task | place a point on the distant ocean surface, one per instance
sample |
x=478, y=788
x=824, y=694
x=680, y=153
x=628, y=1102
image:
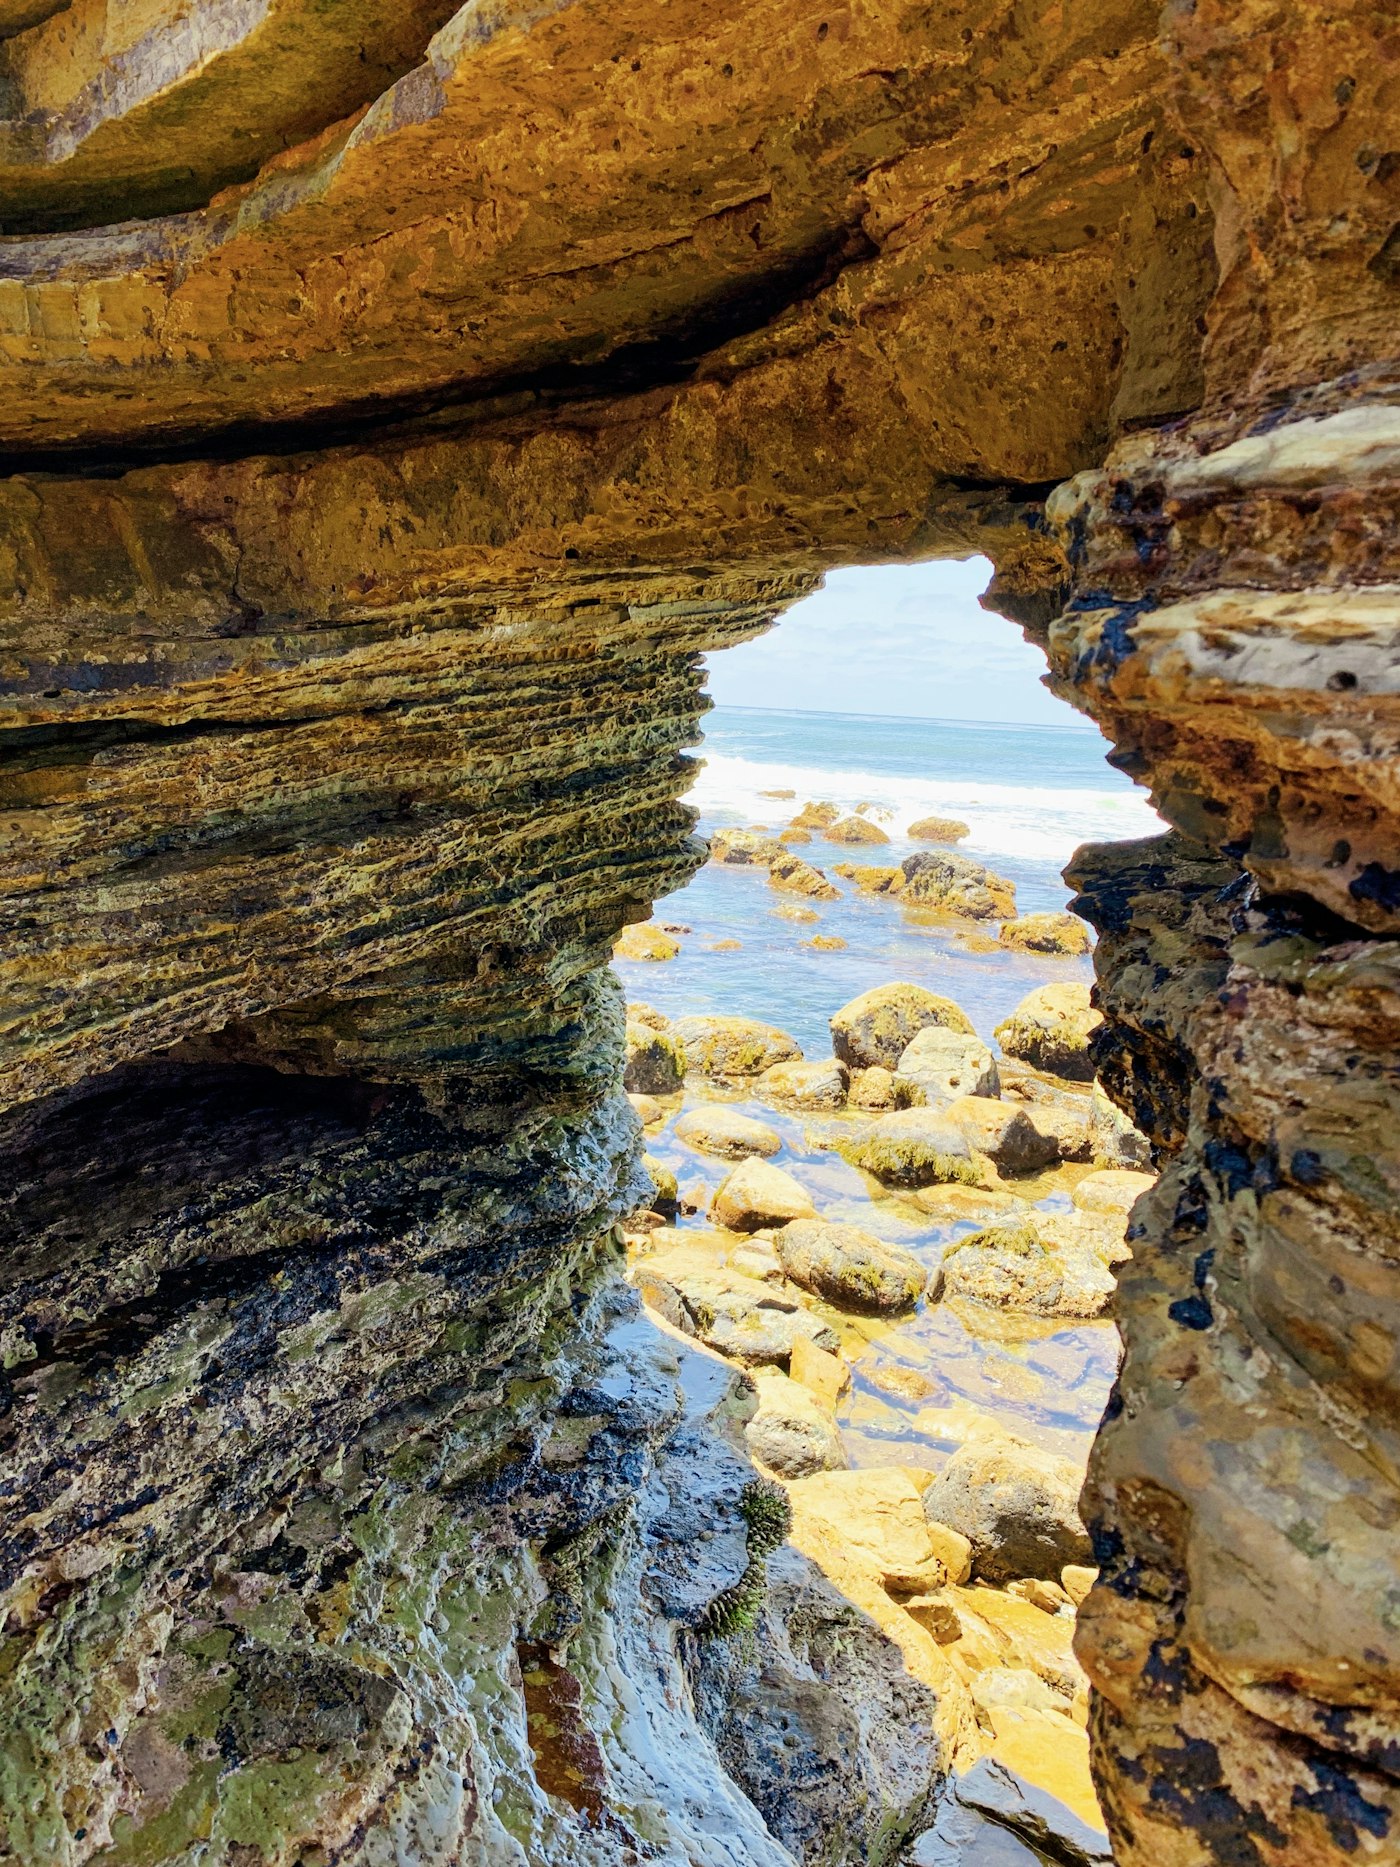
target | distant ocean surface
x=1030, y=796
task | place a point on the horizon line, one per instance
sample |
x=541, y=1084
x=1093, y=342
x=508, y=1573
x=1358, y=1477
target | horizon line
x=1075, y=721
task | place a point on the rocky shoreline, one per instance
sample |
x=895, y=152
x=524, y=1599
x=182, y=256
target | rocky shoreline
x=814, y=1216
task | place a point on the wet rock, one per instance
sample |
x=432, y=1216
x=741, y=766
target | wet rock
x=1112, y=1190
x=794, y=839
x=1045, y=933
x=720, y=1046
x=1029, y=1266
x=875, y=1029
x=815, y=817
x=937, y=830
x=756, y=1195
x=912, y=1147
x=826, y=1375
x=726, y=1133
x=826, y=943
x=790, y=911
x=757, y=1258
x=739, y=1317
x=665, y=1191
x=956, y=885
x=1114, y=1142
x=655, y=1063
x=819, y=1085
x=792, y=1432
x=1050, y=1029
x=851, y=1268
x=638, y=1012
x=940, y=1065
x=874, y=1088
x=1017, y=1506
x=645, y=942
x=725, y=946
x=855, y=830
x=878, y=1514
x=1005, y=1133
x=648, y=1110
x=979, y=1204
x=744, y=848
x=796, y=877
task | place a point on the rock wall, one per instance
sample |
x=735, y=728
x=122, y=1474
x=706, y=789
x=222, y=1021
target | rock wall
x=361, y=531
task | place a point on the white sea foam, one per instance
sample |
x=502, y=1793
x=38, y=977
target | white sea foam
x=1037, y=823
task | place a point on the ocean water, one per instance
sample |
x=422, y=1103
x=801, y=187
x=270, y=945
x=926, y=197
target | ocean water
x=1030, y=796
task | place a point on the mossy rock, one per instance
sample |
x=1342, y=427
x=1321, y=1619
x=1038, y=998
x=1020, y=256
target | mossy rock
x=876, y=1029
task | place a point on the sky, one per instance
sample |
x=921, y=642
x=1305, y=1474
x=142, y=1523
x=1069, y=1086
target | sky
x=903, y=639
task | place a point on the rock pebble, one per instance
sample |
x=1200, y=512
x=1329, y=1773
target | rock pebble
x=1112, y=1190
x=850, y=1268
x=1030, y=1266
x=1005, y=1133
x=739, y=1317
x=726, y=1133
x=819, y=1085
x=937, y=830
x=744, y=848
x=791, y=1431
x=655, y=1063
x=756, y=1195
x=855, y=830
x=875, y=1029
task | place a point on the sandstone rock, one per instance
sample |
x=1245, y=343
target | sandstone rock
x=1062, y=1110
x=855, y=830
x=1050, y=1029
x=912, y=1147
x=827, y=1376
x=826, y=943
x=655, y=1061
x=790, y=911
x=869, y=878
x=781, y=795
x=1005, y=1133
x=648, y=1110
x=879, y=1514
x=1045, y=933
x=720, y=1046
x=816, y=817
x=645, y=942
x=1112, y=1190
x=665, y=1190
x=756, y=1195
x=725, y=946
x=796, y=877
x=640, y=1013
x=756, y=1258
x=744, y=848
x=739, y=1317
x=979, y=1204
x=794, y=839
x=1114, y=1142
x=939, y=1065
x=1017, y=1506
x=874, y=1088
x=937, y=830
x=1076, y=1579
x=1019, y=1267
x=956, y=885
x=1049, y=1825
x=851, y=1268
x=819, y=1085
x=792, y=1432
x=878, y=1027
x=726, y=1133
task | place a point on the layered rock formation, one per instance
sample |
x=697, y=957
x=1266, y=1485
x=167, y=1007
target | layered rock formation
x=362, y=527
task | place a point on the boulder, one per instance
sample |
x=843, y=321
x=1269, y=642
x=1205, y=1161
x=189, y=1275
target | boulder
x=744, y=848
x=878, y=1027
x=1005, y=1133
x=1058, y=1109
x=1017, y=1506
x=1114, y=1142
x=665, y=1190
x=953, y=884
x=756, y=1258
x=1045, y=933
x=826, y=943
x=849, y=1267
x=791, y=1431
x=756, y=1195
x=719, y=1046
x=647, y=1109
x=874, y=1088
x=878, y=1514
x=938, y=1066
x=826, y=1375
x=1113, y=1190
x=820, y=1085
x=1077, y=1579
x=815, y=817
x=1025, y=1266
x=640, y=1013
x=796, y=877
x=869, y=879
x=855, y=830
x=912, y=1147
x=655, y=1061
x=737, y=1316
x=937, y=830
x=1050, y=1029
x=646, y=941
x=977, y=1204
x=794, y=839
x=726, y=1133
x=1016, y=1806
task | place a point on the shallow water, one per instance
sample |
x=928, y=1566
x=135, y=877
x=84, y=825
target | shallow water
x=1029, y=795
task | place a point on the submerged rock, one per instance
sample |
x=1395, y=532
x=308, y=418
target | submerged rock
x=1050, y=1029
x=1017, y=1506
x=645, y=942
x=869, y=879
x=720, y=1046
x=940, y=1065
x=726, y=1133
x=826, y=943
x=849, y=1267
x=818, y=1085
x=937, y=830
x=1045, y=933
x=912, y=1147
x=792, y=1432
x=876, y=1028
x=756, y=1195
x=796, y=877
x=855, y=830
x=956, y=885
x=655, y=1063
x=638, y=1012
